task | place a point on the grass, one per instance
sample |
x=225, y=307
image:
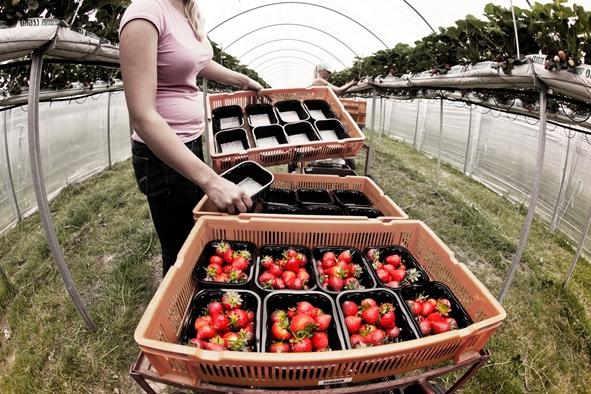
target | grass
x=108, y=239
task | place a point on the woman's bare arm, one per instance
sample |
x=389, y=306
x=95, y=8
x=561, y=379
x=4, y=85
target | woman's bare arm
x=216, y=72
x=138, y=48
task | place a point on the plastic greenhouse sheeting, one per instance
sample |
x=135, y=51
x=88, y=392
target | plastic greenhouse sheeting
x=502, y=155
x=73, y=137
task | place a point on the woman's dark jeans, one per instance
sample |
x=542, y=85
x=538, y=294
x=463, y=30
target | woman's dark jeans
x=171, y=198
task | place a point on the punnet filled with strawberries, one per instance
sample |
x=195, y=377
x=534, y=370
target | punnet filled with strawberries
x=282, y=267
x=225, y=264
x=296, y=322
x=223, y=320
x=394, y=266
x=373, y=318
x=434, y=308
x=341, y=268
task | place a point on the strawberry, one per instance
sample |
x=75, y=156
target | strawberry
x=442, y=308
x=355, y=340
x=303, y=275
x=453, y=324
x=301, y=345
x=435, y=317
x=394, y=260
x=201, y=322
x=301, y=322
x=393, y=333
x=345, y=256
x=372, y=254
x=389, y=267
x=425, y=327
x=367, y=302
x=213, y=270
x=427, y=308
x=383, y=275
x=292, y=264
x=279, y=331
x=238, y=318
x=275, y=270
x=206, y=332
x=234, y=341
x=320, y=341
x=220, y=322
x=294, y=284
x=335, y=283
x=279, y=284
x=445, y=302
x=291, y=312
x=302, y=258
x=323, y=321
x=439, y=327
x=221, y=247
x=196, y=343
x=402, y=267
x=267, y=280
x=278, y=316
x=240, y=263
x=387, y=320
x=376, y=337
x=249, y=330
x=236, y=276
x=329, y=257
x=398, y=275
x=266, y=261
x=290, y=253
x=215, y=308
x=228, y=256
x=365, y=332
x=279, y=347
x=217, y=260
x=349, y=308
x=353, y=324
x=305, y=308
x=371, y=314
x=415, y=307
x=231, y=300
x=287, y=276
x=214, y=347
x=393, y=284
x=351, y=284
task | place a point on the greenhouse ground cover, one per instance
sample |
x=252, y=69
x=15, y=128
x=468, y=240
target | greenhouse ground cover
x=104, y=227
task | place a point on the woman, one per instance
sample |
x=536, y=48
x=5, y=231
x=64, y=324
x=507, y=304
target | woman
x=162, y=51
x=322, y=73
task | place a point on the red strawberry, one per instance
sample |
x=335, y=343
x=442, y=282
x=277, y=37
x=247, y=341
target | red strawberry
x=393, y=284
x=320, y=341
x=355, y=340
x=445, y=302
x=435, y=316
x=238, y=318
x=220, y=322
x=275, y=270
x=303, y=275
x=345, y=256
x=367, y=302
x=213, y=270
x=279, y=331
x=287, y=276
x=216, y=260
x=329, y=258
x=289, y=253
x=335, y=283
x=215, y=308
x=353, y=324
x=351, y=284
x=425, y=327
x=201, y=322
x=439, y=327
x=303, y=259
x=349, y=308
x=415, y=307
x=249, y=331
x=376, y=337
x=228, y=256
x=266, y=261
x=390, y=268
x=304, y=307
x=279, y=347
x=279, y=316
x=267, y=280
x=301, y=322
x=240, y=263
x=383, y=275
x=372, y=254
x=221, y=247
x=427, y=308
x=393, y=333
x=371, y=314
x=291, y=312
x=279, y=284
x=206, y=332
x=365, y=332
x=388, y=320
x=234, y=341
x=402, y=267
x=394, y=259
x=294, y=284
x=231, y=300
x=323, y=321
x=301, y=345
x=398, y=275
x=214, y=347
x=453, y=324
x=292, y=264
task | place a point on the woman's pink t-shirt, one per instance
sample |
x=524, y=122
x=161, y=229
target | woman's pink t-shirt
x=180, y=58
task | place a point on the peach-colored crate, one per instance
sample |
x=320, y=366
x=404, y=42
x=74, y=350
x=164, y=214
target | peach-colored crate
x=357, y=108
x=158, y=330
x=380, y=201
x=286, y=153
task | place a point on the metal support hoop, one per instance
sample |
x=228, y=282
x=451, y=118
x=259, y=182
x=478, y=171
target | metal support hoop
x=369, y=157
x=284, y=50
x=41, y=192
x=295, y=40
x=571, y=270
x=560, y=198
x=281, y=58
x=109, y=129
x=298, y=66
x=414, y=140
x=440, y=140
x=534, y=195
x=9, y=168
x=468, y=142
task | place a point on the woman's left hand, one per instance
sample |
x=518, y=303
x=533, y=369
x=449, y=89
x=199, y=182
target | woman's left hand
x=253, y=85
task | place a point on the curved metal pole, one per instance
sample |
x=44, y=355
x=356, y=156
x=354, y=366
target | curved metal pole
x=280, y=68
x=419, y=14
x=468, y=142
x=275, y=72
x=571, y=270
x=9, y=168
x=280, y=58
x=292, y=24
x=515, y=27
x=414, y=140
x=41, y=192
x=302, y=3
x=560, y=198
x=296, y=40
x=369, y=157
x=291, y=63
x=440, y=140
x=109, y=129
x=534, y=195
x=284, y=50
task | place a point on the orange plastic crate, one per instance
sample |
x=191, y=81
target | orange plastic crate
x=363, y=184
x=356, y=108
x=158, y=330
x=286, y=153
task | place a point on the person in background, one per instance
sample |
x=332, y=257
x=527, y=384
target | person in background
x=322, y=73
x=163, y=49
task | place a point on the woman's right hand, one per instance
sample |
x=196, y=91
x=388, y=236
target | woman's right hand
x=227, y=196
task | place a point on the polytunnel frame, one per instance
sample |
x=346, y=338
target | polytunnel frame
x=294, y=40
